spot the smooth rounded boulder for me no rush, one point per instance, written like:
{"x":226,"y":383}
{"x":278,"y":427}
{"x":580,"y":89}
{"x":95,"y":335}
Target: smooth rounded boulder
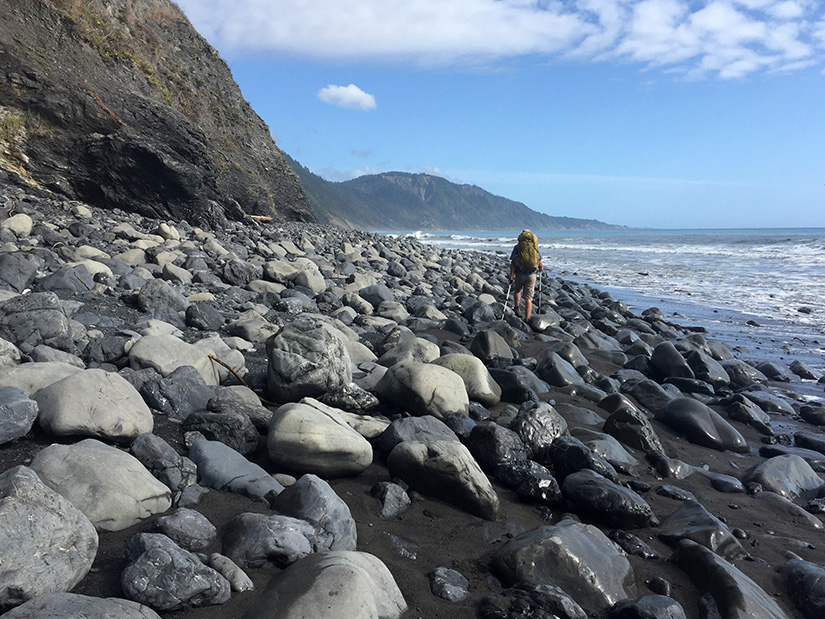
{"x":76,"y":606}
{"x":701,"y":425}
{"x":480,"y":385}
{"x":94,"y":403}
{"x":355,"y":585}
{"x":311,"y":437}
{"x":424,"y":389}
{"x":447,"y":470}
{"x":110,"y":486}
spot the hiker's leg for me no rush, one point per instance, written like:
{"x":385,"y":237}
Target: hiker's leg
{"x":528,"y":309}
{"x":529,"y":290}
{"x":516,"y":301}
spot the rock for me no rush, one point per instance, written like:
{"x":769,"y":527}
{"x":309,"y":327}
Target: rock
{"x":93,"y":403}
{"x":530,"y":480}
{"x":449,"y":584}
{"x":178,"y":394}
{"x":741,"y":409}
{"x":231,"y":428}
{"x":558,"y":372}
{"x":806,"y":584}
{"x":415,"y":349}
{"x":238,"y":580}
{"x":692,"y":521}
{"x":48,"y":545}
{"x":607,"y":447}
{"x":424,"y":429}
{"x":349,"y":584}
{"x":648,"y":607}
{"x":111,"y":487}
{"x":17,"y":271}
{"x":633,"y":428}
{"x":477,"y":379}
{"x":538,"y":424}
{"x":735,"y":595}
{"x":36,"y":318}
{"x":667,"y":361}
{"x":769,"y":402}
{"x":162,"y":575}
{"x":447,"y":470}
{"x":166,"y":353}
{"x":305,"y":359}
{"x":157,"y":294}
{"x":701,"y":425}
{"x":492,"y":444}
{"x":394,"y":499}
{"x":223,"y":468}
{"x":17,"y":414}
{"x":488,"y":345}
{"x":790,"y":509}
{"x":528,"y":599}
{"x":632,"y":545}
{"x":787,"y":475}
{"x":313,"y":499}
{"x":601,"y":499}
{"x":576,"y":557}
{"x":775,"y":371}
{"x":167,"y":465}
{"x":650,"y":394}
{"x":188,"y":529}
{"x":310,"y":437}
{"x":706,"y":368}
{"x":803,"y":371}
{"x":424,"y":389}
{"x":261,"y":541}
{"x":74,"y":606}
{"x":569,"y":455}
{"x":741,"y":374}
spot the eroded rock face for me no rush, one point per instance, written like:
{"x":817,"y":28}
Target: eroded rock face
{"x":174,"y":149}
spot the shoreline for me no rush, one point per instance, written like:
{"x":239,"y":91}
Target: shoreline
{"x":250,"y":272}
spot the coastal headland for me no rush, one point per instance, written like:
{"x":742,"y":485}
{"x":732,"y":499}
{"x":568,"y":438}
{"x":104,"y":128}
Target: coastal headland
{"x":269,"y":419}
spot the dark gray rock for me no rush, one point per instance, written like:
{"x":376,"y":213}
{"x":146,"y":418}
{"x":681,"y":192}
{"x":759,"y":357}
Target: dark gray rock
{"x":701,"y":425}
{"x":233,"y":429}
{"x":775,"y":371}
{"x":787,"y":475}
{"x":515,"y":388}
{"x":538,"y":424}
{"x":569,"y":455}
{"x":36,"y":318}
{"x":166,"y":464}
{"x":528,"y":599}
{"x":769,"y":402}
{"x":667,"y":361}
{"x":449,"y":584}
{"x":488,"y":345}
{"x":741,"y":374}
{"x":529,"y":480}
{"x":376,"y":294}
{"x":179,"y":394}
{"x":17,"y":271}
{"x":806,"y":584}
{"x":312,"y":499}
{"x":351,"y":398}
{"x":492,"y":444}
{"x":648,"y":607}
{"x":75,"y":606}
{"x":735,"y":595}
{"x":601,"y":499}
{"x":423,"y":429}
{"x":223,"y":468}
{"x":164,"y":576}
{"x":156,"y":294}
{"x":633,"y":545}
{"x":693,"y":522}
{"x":204,"y":316}
{"x":803,"y":371}
{"x":557,"y":372}
{"x":707,"y":369}
{"x":17,"y":414}
{"x":649,"y":394}
{"x":741,"y":409}
{"x":394,"y":499}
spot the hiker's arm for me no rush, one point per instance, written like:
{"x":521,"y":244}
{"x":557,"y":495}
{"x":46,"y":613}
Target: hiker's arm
{"x":512,"y":271}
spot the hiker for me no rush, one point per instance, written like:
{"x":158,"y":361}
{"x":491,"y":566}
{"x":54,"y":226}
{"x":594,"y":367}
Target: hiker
{"x":525,"y":262}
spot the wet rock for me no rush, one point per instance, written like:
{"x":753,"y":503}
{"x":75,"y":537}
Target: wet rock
{"x":568,"y":455}
{"x":530,"y":599}
{"x":600,"y":499}
{"x":787,"y":475}
{"x":530,"y":480}
{"x":701,"y":425}
{"x":449,"y":584}
{"x":648,"y":607}
{"x":806,"y":584}
{"x":692,"y":521}
{"x":538,"y":424}
{"x":632,"y":544}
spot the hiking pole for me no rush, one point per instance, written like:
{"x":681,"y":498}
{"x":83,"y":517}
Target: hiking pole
{"x":506,"y":299}
{"x":541,"y":281}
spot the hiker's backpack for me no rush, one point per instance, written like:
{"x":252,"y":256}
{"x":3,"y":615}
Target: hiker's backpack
{"x":527,"y":255}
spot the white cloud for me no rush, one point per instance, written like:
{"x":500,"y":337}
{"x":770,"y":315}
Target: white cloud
{"x":336,"y":175}
{"x":726,"y":38}
{"x":347,"y":96}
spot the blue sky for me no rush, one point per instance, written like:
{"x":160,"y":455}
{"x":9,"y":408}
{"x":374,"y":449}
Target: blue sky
{"x":652,"y":113}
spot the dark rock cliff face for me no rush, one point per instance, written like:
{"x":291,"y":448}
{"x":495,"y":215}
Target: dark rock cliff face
{"x":122,"y":104}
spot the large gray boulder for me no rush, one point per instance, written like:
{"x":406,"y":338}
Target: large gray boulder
{"x":93,"y":403}
{"x":447,"y":470}
{"x":701,"y":425}
{"x":167,"y":465}
{"x":348,"y":584}
{"x":735,"y":595}
{"x":36,"y":318}
{"x":479,"y":384}
{"x":538,"y":424}
{"x":424,"y":389}
{"x":414,"y":349}
{"x":47,"y":545}
{"x":311,"y":437}
{"x":305,"y":359}
{"x":576,"y":557}
{"x":558,"y":372}
{"x":75,"y":606}
{"x":667,"y":361}
{"x":259,"y":540}
{"x":164,"y":576}
{"x":633,"y":428}
{"x":17,"y":414}
{"x":806,"y":584}
{"x":166,"y":353}
{"x":110,"y":486}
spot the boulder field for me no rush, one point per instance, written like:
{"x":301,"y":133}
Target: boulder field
{"x":291,"y":420}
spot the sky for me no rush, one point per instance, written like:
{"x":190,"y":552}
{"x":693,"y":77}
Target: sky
{"x":651,"y":113}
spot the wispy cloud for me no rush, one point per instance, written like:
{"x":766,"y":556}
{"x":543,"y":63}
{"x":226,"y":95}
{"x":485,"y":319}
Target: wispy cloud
{"x":347,"y":96}
{"x":726,"y":38}
{"x":338,"y":175}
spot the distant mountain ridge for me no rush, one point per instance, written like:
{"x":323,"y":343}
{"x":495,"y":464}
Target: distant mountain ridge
{"x":404,"y":201}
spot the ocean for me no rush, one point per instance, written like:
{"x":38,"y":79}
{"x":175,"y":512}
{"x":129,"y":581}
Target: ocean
{"x":761,"y":290}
